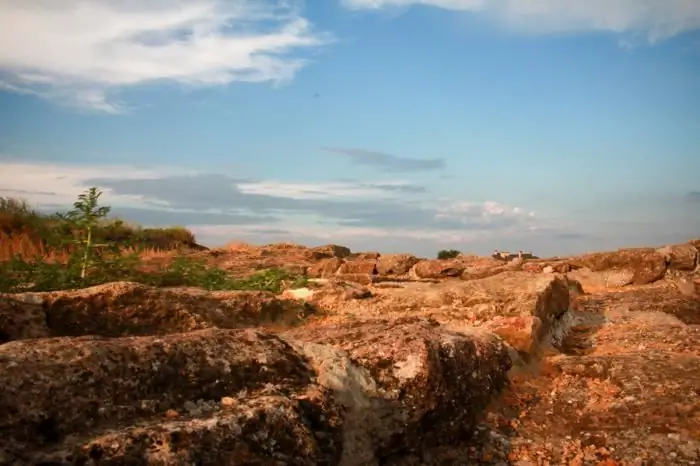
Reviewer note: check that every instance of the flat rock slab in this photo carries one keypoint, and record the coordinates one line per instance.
(124, 309)
(519, 306)
(646, 265)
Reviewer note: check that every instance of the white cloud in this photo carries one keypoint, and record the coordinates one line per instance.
(325, 190)
(45, 184)
(57, 185)
(220, 234)
(655, 19)
(83, 51)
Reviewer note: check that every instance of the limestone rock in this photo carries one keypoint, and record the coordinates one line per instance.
(325, 268)
(645, 264)
(438, 268)
(396, 264)
(680, 256)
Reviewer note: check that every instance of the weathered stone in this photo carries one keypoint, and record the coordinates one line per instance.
(680, 256)
(358, 267)
(473, 302)
(487, 267)
(614, 278)
(325, 268)
(534, 267)
(124, 309)
(409, 374)
(438, 268)
(396, 264)
(645, 264)
(22, 317)
(364, 256)
(360, 278)
(520, 332)
(107, 399)
(329, 251)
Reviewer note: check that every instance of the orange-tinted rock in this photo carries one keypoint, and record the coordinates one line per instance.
(680, 256)
(360, 278)
(520, 332)
(396, 264)
(328, 251)
(487, 267)
(361, 256)
(413, 374)
(645, 264)
(438, 268)
(358, 267)
(534, 267)
(325, 268)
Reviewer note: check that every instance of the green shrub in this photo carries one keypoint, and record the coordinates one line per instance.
(448, 254)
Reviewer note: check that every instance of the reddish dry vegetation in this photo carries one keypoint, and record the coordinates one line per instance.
(28, 248)
(383, 359)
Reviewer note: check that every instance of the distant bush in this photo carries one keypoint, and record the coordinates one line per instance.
(448, 254)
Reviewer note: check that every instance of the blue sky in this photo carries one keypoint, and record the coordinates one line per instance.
(394, 125)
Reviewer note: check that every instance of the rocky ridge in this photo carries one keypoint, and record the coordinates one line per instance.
(383, 359)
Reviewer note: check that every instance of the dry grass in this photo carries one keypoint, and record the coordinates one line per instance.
(28, 247)
(29, 234)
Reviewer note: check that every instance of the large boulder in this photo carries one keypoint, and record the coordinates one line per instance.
(396, 264)
(352, 394)
(325, 268)
(680, 256)
(328, 251)
(521, 307)
(359, 266)
(487, 267)
(645, 265)
(438, 268)
(409, 385)
(211, 396)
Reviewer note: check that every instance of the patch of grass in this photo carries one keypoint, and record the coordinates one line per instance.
(80, 249)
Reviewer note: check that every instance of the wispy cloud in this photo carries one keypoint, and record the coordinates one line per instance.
(216, 202)
(331, 190)
(389, 162)
(655, 19)
(82, 52)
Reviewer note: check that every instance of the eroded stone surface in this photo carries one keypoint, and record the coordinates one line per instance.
(519, 306)
(123, 308)
(421, 386)
(336, 394)
(603, 347)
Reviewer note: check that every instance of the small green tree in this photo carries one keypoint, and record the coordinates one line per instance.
(448, 254)
(87, 215)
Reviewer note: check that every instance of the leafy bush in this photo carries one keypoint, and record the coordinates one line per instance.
(448, 254)
(85, 261)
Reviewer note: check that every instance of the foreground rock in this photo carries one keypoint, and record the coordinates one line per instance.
(322, 395)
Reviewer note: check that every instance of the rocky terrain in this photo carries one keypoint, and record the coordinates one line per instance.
(381, 360)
